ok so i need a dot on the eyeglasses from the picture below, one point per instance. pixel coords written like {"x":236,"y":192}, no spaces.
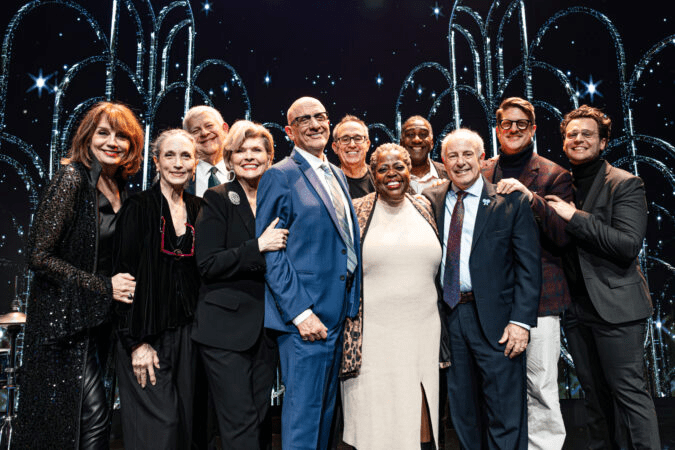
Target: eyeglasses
{"x":304,"y":121}
{"x":521,"y":124}
{"x":345,"y":140}
{"x":177,"y":252}
{"x":585,"y":134}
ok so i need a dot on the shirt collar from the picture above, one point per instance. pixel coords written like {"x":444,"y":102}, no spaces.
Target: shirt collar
{"x":313,"y":161}
{"x":433,"y":173}
{"x":475,"y":189}
{"x":203,"y":167}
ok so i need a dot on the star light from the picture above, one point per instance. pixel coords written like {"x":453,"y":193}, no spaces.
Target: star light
{"x":41,"y":83}
{"x":268,"y":79}
{"x":378,"y":80}
{"x":591,"y":88}
{"x":436,"y":11}
{"x":225,"y":88}
{"x":206,"y":8}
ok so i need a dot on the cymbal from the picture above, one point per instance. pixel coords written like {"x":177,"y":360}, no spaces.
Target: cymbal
{"x":13,"y":318}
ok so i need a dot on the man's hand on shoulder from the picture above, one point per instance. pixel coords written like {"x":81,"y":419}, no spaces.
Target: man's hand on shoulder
{"x":312,"y":329}
{"x":508,"y":185}
{"x":516,"y":338}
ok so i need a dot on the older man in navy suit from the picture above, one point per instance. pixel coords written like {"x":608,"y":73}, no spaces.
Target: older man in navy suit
{"x":491,"y":282}
{"x":314,"y":283}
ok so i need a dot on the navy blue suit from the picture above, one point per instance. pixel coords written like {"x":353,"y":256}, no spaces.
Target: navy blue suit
{"x":505,"y":270}
{"x":310,"y":273}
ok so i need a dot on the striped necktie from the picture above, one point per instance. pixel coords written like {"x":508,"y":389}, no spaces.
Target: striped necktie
{"x":341,"y":213}
{"x":451,"y":275}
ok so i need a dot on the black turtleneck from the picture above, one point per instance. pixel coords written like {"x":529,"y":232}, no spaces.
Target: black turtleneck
{"x":512,"y":165}
{"x":582,"y":179}
{"x":583,"y":176}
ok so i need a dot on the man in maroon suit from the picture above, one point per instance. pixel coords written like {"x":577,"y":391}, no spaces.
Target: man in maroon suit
{"x":518,"y":168}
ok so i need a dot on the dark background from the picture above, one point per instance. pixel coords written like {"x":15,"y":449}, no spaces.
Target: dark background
{"x":337,"y":51}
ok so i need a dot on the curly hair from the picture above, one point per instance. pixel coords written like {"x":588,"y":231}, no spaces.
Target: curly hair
{"x":588,"y":112}
{"x":405,"y":156}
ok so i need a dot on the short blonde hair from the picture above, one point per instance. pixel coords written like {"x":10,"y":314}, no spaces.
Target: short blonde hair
{"x":198,"y":111}
{"x":245,"y":129}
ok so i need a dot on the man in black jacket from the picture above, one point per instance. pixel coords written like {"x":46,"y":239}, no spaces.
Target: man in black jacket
{"x":605,"y":324}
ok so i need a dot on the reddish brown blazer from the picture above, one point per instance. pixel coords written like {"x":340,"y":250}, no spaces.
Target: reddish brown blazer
{"x":544,"y":177}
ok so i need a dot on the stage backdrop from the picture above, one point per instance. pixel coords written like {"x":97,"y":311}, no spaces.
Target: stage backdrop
{"x":381,"y":60}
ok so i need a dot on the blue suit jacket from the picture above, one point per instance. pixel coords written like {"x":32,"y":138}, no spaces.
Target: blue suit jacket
{"x":312,"y":271}
{"x":505,"y":260}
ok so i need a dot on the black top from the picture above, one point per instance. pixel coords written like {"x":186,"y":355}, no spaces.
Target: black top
{"x":360,"y":187}
{"x":512,"y":165}
{"x":582,"y":179}
{"x":166,"y":285}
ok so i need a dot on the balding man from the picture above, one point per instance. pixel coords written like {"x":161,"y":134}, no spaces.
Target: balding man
{"x":314,"y":283}
{"x":491,"y":281}
{"x":209,"y":129}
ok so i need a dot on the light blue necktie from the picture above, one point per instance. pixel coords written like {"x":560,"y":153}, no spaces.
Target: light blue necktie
{"x":341,"y":213}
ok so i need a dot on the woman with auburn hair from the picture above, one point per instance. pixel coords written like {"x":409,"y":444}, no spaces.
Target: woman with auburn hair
{"x":239,"y":357}
{"x":67,"y":340}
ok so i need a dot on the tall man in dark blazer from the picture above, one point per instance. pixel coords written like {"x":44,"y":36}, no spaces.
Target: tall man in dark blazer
{"x":315,"y":282}
{"x":605,"y":324}
{"x":491,"y":282}
{"x":518,"y":168}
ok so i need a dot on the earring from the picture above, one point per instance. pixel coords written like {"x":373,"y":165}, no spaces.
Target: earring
{"x":230,"y":176}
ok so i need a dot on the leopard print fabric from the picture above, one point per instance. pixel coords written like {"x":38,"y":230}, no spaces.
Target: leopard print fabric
{"x":353,"y":332}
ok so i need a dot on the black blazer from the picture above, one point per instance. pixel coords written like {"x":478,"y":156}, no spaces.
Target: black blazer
{"x":505,"y":262}
{"x":231,"y":304}
{"x":608,"y":234}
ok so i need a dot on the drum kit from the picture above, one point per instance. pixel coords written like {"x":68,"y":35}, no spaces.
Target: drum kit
{"x":13,"y":322}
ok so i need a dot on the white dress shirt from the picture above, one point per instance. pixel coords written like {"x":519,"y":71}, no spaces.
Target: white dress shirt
{"x":204,"y":173}
{"x":471,"y":203}
{"x":316,"y":163}
{"x":418,"y":184}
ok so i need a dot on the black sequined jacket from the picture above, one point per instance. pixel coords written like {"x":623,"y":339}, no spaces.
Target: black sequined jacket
{"x":67,"y":300}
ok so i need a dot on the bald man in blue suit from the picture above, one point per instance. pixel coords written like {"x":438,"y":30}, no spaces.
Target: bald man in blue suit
{"x":314,"y":284}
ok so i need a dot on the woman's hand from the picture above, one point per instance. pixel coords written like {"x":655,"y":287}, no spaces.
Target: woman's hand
{"x":144,"y":360}
{"x":124,"y":286}
{"x":273,"y":239}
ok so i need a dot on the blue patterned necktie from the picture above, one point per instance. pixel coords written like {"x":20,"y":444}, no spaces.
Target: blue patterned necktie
{"x":451,"y":275}
{"x":213,"y":180}
{"x":341,"y":213}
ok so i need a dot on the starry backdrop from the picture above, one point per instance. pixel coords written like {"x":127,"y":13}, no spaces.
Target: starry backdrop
{"x":381,"y":60}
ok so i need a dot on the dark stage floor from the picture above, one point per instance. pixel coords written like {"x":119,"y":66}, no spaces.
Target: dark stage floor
{"x":573,"y":413}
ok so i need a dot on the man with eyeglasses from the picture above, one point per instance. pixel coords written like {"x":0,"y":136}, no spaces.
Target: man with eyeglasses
{"x":315,"y":282}
{"x":351,"y":144}
{"x":518,"y":168}
{"x":605,"y":323}
{"x":418,"y":138}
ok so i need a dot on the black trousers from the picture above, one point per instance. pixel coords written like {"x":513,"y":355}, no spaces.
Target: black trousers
{"x":610,"y":366}
{"x":159,"y":416}
{"x":94,"y":416}
{"x":240,"y":384}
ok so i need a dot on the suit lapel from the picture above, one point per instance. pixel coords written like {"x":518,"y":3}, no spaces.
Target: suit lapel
{"x":314,"y":181}
{"x":598,"y":182}
{"x":487,"y":201}
{"x":530,"y":171}
{"x":243,"y":208}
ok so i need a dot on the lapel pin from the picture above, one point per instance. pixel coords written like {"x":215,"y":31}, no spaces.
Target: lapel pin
{"x":234,"y":197}
{"x":486,"y":201}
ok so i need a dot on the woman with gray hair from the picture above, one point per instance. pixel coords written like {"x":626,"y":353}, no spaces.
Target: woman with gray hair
{"x":155,"y":242}
{"x":239,"y":357}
